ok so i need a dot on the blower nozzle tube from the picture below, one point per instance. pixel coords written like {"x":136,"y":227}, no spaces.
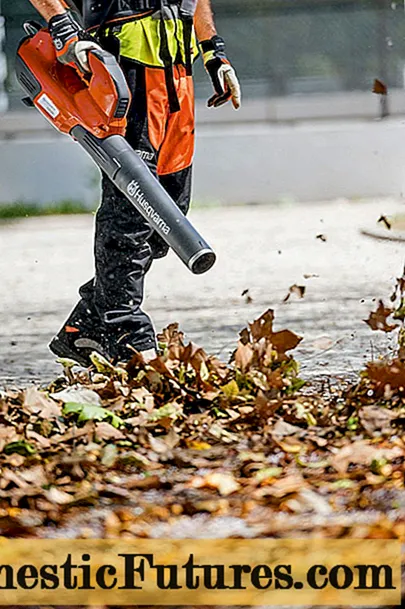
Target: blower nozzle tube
{"x":133,"y":178}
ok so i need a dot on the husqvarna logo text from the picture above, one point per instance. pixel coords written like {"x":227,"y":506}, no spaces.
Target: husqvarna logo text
{"x":135,"y":192}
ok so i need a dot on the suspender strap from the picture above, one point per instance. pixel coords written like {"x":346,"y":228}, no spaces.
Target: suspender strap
{"x":165,"y":56}
{"x":187,"y":36}
{"x":108,"y":14}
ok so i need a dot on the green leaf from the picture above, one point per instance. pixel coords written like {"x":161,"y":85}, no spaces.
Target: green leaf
{"x":268,"y":472}
{"x":312,"y":464}
{"x":352,"y":423}
{"x":204,"y":372}
{"x":88,"y":412}
{"x":103,"y":366}
{"x":343,"y":483}
{"x":171,"y":411}
{"x":66,"y":362}
{"x":377,"y":465}
{"x":231,"y":389}
{"x":21,"y":448}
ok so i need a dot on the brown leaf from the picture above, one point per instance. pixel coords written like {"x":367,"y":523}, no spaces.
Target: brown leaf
{"x":143,"y":482}
{"x":105,"y":431}
{"x":225,"y":484}
{"x":378,"y":319}
{"x":34,"y":475}
{"x":283,"y":429}
{"x":198,"y":357}
{"x":290,"y":484}
{"x":7,"y":435}
{"x":265,"y":407}
{"x":386,"y":373}
{"x":376,"y":418}
{"x":297,"y":290}
{"x":43,"y":442}
{"x":275,"y":380}
{"x":55,"y":495}
{"x":10,"y":476}
{"x":262,"y":327}
{"x":37,"y":402}
{"x":159,"y":446}
{"x":379,"y":87}
{"x":285,"y":340}
{"x":243,"y":356}
{"x":309,"y":501}
{"x":362,"y":453}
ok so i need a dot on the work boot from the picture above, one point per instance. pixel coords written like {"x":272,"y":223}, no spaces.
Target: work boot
{"x":123,"y":346}
{"x":79,"y":337}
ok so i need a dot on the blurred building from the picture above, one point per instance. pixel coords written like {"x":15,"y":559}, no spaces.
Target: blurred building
{"x":307,"y":129}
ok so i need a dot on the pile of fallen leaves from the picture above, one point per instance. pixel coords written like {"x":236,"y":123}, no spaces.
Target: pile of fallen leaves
{"x":186,"y":435}
{"x":383,"y":380}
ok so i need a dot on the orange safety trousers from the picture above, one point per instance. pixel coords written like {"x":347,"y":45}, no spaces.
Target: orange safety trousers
{"x":171,"y":135}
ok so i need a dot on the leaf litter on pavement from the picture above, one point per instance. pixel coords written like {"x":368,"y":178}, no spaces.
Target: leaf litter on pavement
{"x":187,"y":435}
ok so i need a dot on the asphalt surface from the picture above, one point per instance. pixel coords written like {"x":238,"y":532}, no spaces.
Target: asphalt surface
{"x":261,"y":249}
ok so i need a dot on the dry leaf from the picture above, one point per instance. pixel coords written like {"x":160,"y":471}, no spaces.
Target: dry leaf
{"x":243,"y":356}
{"x":378,"y":319}
{"x":376,"y":418}
{"x":362,"y":453}
{"x":285,"y":341}
{"x":225,"y":484}
{"x":286,"y":486}
{"x":379,"y":87}
{"x":297,"y":290}
{"x":105,"y":431}
{"x":55,"y":495}
{"x":37,"y":402}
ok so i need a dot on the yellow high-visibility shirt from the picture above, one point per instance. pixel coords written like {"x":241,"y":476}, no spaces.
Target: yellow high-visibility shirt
{"x":140,"y":40}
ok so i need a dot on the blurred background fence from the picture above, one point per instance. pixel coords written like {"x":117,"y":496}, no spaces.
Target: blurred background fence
{"x":301,"y":62}
{"x":287,"y":47}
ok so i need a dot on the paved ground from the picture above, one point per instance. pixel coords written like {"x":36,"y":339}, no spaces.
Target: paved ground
{"x":263,"y":249}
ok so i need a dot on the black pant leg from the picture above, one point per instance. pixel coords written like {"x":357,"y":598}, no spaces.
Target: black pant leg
{"x":178,"y":185}
{"x":111,"y":302}
{"x":122,"y":252}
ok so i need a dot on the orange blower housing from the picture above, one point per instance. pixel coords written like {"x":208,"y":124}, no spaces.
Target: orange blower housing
{"x":98,"y":102}
{"x":92,"y":109}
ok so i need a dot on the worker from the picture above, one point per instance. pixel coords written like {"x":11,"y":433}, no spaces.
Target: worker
{"x":156,"y":42}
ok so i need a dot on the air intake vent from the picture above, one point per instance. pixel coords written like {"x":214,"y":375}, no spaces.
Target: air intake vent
{"x":28,"y":85}
{"x":26,"y":78}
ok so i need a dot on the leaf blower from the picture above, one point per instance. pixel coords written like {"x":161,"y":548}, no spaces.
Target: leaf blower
{"x":92,"y":109}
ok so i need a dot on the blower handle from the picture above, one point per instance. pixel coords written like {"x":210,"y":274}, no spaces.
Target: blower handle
{"x":110,"y":65}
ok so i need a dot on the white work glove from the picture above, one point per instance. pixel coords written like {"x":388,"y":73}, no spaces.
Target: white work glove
{"x":71,"y":42}
{"x":223,"y":76}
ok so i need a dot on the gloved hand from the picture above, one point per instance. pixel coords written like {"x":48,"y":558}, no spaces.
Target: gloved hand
{"x":222,"y":74}
{"x":71,"y":42}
